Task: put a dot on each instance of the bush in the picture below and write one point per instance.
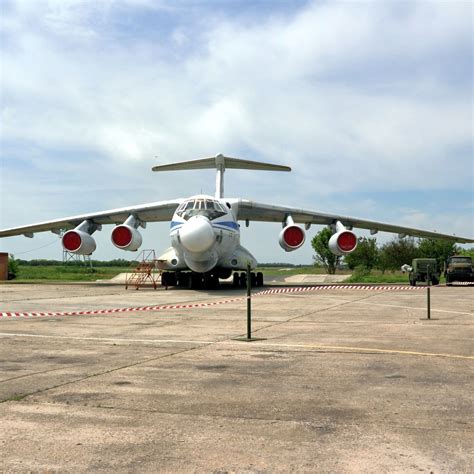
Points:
(361, 271)
(437, 248)
(365, 255)
(396, 253)
(323, 255)
(12, 268)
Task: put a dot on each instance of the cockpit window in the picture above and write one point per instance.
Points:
(202, 207)
(199, 204)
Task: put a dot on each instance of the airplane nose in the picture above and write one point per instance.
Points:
(197, 235)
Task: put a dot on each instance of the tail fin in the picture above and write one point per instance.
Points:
(220, 162)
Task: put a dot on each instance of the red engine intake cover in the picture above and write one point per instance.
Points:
(347, 241)
(71, 241)
(293, 236)
(121, 236)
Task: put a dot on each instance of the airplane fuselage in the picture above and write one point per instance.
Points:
(205, 237)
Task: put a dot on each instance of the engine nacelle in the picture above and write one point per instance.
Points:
(343, 242)
(126, 237)
(78, 241)
(291, 238)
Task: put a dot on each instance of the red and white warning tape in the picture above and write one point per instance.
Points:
(34, 314)
(300, 289)
(10, 314)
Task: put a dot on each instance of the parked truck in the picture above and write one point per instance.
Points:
(458, 268)
(422, 269)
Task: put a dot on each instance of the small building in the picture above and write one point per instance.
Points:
(3, 266)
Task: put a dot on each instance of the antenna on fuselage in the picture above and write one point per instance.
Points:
(220, 163)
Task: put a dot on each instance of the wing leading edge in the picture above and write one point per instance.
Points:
(151, 212)
(254, 211)
(246, 210)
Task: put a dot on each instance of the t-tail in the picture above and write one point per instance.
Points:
(220, 163)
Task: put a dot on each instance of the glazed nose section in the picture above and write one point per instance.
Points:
(197, 235)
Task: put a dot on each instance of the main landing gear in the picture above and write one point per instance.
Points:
(208, 281)
(191, 280)
(240, 280)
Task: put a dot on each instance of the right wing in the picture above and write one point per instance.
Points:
(152, 212)
(255, 211)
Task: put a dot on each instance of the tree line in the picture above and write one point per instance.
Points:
(389, 256)
(118, 262)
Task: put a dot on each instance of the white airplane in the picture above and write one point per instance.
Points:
(204, 230)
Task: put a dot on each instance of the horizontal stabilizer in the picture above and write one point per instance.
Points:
(220, 162)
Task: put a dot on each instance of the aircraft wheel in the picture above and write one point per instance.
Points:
(243, 280)
(164, 279)
(209, 281)
(195, 281)
(253, 279)
(435, 281)
(172, 279)
(224, 273)
(235, 280)
(183, 279)
(259, 279)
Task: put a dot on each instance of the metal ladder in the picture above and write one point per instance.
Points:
(144, 272)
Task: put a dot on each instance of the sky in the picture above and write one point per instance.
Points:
(369, 102)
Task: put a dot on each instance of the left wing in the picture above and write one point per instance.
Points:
(255, 211)
(152, 212)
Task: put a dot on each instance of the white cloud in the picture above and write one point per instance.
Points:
(354, 96)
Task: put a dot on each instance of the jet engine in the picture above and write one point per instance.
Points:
(80, 240)
(291, 237)
(126, 238)
(126, 235)
(343, 241)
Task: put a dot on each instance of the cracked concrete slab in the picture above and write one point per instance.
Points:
(342, 381)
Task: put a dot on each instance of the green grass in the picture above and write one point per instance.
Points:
(290, 271)
(30, 273)
(376, 276)
(27, 273)
(15, 398)
(71, 273)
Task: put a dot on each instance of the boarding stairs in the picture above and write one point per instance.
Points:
(144, 271)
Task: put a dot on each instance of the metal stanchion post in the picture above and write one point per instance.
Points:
(428, 281)
(249, 304)
(249, 337)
